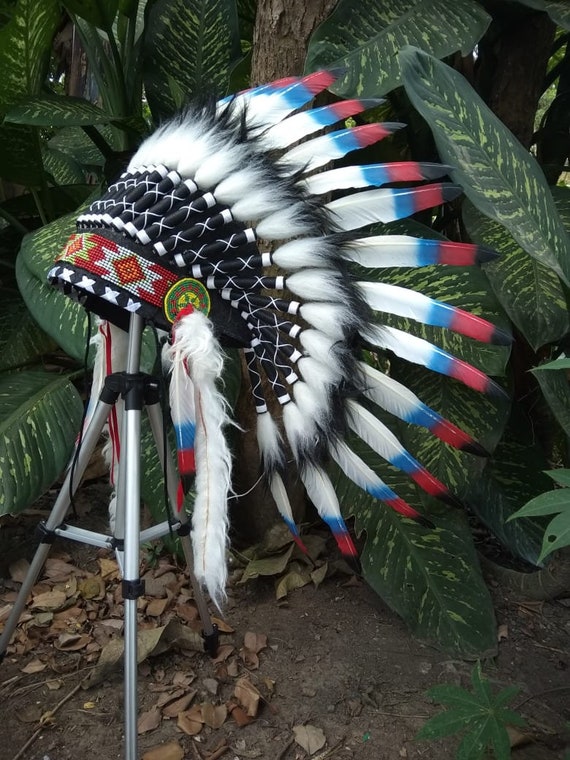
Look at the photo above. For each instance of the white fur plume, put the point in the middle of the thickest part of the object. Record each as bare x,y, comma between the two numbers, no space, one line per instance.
195,340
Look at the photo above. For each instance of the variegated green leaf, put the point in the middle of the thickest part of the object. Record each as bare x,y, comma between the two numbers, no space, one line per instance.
63,169
56,111
25,45
21,338
100,13
498,175
429,577
530,292
40,413
366,37
74,142
512,475
464,287
553,381
194,44
63,319
558,10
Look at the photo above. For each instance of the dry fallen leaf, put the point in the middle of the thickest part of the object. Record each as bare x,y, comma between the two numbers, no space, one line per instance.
190,721
34,666
72,642
239,714
170,751
92,588
518,738
214,716
502,632
109,568
255,641
149,720
173,709
223,653
247,696
310,738
156,607
49,600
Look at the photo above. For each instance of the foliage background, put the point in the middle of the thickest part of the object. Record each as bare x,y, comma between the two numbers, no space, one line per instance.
84,82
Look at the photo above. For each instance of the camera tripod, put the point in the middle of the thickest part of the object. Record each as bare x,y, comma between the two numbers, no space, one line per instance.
138,390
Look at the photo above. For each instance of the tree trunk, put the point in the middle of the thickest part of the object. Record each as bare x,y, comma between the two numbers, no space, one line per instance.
513,61
280,37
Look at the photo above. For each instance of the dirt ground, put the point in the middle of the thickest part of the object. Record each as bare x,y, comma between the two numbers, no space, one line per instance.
327,664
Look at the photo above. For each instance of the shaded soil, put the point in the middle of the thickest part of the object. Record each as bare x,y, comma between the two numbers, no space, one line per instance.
335,658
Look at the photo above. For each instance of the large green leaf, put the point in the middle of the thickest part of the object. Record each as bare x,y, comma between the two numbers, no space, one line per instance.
25,46
100,13
56,111
21,338
40,413
512,475
429,577
59,316
192,45
365,38
498,175
530,292
63,169
553,381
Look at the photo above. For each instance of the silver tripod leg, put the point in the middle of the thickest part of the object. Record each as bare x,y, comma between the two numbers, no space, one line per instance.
51,527
134,387
128,509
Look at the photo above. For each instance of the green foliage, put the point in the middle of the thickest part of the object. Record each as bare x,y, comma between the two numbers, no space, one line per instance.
481,716
365,38
498,175
51,144
553,379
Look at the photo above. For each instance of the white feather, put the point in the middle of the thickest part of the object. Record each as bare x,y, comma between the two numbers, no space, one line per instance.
281,498
316,284
312,404
334,319
270,441
320,491
301,432
321,377
288,222
383,251
360,209
381,296
195,340
298,254
372,431
355,468
258,202
319,345
236,185
388,393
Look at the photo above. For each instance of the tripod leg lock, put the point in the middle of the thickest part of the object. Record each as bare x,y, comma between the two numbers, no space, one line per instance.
133,589
44,534
211,640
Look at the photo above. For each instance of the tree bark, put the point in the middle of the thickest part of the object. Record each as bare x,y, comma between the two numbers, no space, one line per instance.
280,37
514,57
281,34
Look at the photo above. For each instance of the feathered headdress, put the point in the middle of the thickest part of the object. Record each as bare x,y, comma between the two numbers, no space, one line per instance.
177,240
